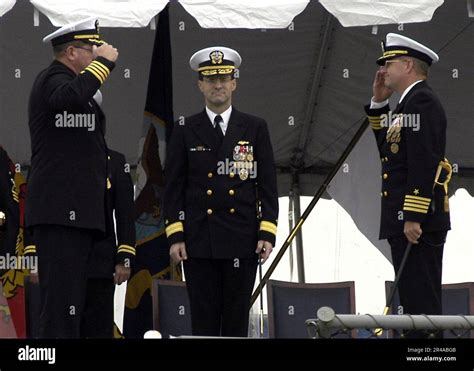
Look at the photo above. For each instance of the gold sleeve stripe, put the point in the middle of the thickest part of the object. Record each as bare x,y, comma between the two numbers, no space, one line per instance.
416,206
268,227
421,203
417,198
94,73
126,248
375,122
99,71
101,66
415,210
174,228
374,118
29,249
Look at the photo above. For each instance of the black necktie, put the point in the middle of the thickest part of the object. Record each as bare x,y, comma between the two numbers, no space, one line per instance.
217,127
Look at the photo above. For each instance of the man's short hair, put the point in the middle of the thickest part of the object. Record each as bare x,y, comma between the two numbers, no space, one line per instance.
421,67
59,49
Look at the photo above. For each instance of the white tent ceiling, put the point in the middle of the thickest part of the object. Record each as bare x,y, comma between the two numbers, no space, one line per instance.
6,5
138,13
233,13
375,12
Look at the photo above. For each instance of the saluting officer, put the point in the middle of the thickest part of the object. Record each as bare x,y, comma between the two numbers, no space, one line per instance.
221,201
112,257
68,179
415,173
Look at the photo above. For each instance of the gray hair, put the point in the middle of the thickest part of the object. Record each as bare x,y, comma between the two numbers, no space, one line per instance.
421,67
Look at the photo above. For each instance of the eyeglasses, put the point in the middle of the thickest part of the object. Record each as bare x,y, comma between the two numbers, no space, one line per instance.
78,47
393,61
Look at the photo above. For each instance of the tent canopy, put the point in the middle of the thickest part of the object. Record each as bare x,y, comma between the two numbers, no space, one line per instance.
309,80
138,13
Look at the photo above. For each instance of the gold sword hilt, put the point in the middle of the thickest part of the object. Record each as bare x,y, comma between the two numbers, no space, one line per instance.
379,331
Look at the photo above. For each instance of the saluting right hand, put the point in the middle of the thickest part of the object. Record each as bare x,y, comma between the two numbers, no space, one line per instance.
380,91
178,252
106,51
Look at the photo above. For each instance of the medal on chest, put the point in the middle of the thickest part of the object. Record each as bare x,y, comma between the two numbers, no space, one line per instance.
393,134
243,157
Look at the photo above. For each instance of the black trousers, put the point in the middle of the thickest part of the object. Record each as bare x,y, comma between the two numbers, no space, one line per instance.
420,283
71,304
98,317
219,293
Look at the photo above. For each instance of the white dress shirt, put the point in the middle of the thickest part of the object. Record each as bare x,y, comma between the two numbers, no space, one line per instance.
225,118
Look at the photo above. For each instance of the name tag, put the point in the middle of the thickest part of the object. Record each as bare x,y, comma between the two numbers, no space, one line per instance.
200,149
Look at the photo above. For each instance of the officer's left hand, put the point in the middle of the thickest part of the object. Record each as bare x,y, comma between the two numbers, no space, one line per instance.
122,274
412,231
264,248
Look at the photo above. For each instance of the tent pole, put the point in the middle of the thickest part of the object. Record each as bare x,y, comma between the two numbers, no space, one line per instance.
299,234
308,210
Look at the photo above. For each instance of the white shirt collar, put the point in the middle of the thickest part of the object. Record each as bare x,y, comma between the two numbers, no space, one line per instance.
407,90
225,117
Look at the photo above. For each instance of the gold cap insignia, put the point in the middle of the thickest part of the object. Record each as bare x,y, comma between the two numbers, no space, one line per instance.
216,57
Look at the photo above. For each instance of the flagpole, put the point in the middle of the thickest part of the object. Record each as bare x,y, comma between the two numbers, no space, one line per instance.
310,208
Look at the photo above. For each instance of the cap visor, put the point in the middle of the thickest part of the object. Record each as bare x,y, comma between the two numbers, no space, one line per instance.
381,61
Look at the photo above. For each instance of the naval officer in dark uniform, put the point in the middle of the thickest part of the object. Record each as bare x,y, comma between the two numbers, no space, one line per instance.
65,206
221,200
415,173
112,257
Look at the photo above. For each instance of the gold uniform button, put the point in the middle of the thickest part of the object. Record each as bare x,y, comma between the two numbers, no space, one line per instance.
231,192
386,159
232,211
209,175
385,193
209,211
231,175
385,176
209,192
